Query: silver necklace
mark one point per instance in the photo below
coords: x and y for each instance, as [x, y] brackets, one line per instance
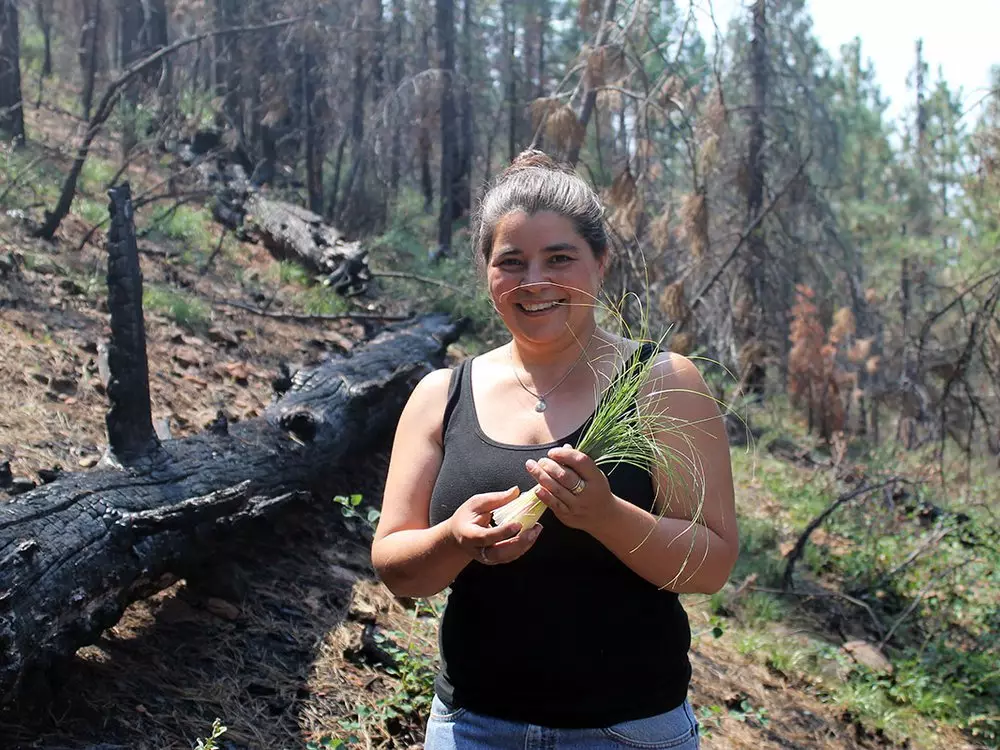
[540, 404]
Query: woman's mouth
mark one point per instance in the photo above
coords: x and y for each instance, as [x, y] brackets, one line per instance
[538, 308]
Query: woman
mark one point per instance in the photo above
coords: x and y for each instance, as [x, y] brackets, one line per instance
[571, 635]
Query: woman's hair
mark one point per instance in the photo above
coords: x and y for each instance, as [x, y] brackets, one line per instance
[534, 182]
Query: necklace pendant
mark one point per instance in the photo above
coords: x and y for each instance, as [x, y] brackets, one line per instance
[541, 405]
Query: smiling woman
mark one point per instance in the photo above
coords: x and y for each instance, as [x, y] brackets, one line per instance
[589, 606]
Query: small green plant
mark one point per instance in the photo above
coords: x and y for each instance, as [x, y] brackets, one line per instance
[190, 313]
[350, 508]
[327, 743]
[709, 718]
[91, 211]
[210, 743]
[750, 714]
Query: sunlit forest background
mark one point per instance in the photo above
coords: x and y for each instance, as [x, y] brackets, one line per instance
[835, 272]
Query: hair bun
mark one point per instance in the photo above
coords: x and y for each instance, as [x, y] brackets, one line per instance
[532, 158]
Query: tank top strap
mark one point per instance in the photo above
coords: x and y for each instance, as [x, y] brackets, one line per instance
[456, 410]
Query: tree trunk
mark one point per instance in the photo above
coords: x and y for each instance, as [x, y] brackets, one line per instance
[449, 142]
[44, 17]
[396, 76]
[463, 177]
[229, 65]
[756, 243]
[424, 139]
[88, 54]
[76, 552]
[398, 63]
[510, 40]
[131, 21]
[156, 37]
[590, 98]
[11, 102]
[313, 132]
[543, 25]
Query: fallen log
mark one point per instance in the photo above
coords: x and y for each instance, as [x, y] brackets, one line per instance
[76, 552]
[291, 232]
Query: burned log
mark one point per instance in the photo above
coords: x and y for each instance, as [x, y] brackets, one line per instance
[291, 232]
[74, 553]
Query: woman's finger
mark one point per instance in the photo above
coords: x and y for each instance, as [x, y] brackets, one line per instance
[568, 478]
[553, 501]
[510, 550]
[579, 462]
[555, 488]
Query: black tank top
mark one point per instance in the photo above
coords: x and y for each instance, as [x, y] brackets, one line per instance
[567, 635]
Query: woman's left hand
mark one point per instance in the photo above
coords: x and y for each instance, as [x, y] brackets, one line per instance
[573, 487]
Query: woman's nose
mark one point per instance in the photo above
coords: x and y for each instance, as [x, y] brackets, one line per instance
[535, 273]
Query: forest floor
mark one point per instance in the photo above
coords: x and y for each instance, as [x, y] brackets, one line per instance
[292, 642]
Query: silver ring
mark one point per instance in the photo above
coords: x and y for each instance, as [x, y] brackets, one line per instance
[482, 556]
[580, 487]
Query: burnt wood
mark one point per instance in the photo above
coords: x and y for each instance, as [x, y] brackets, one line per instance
[76, 552]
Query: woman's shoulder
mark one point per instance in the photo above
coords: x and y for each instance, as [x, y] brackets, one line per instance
[677, 380]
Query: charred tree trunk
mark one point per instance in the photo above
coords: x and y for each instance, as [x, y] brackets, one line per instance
[131, 21]
[424, 139]
[449, 143]
[44, 17]
[11, 101]
[590, 97]
[313, 132]
[510, 44]
[129, 420]
[228, 68]
[398, 68]
[543, 25]
[88, 54]
[909, 268]
[754, 372]
[463, 178]
[156, 38]
[76, 552]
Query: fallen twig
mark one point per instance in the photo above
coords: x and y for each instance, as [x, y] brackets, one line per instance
[803, 539]
[423, 279]
[827, 594]
[313, 316]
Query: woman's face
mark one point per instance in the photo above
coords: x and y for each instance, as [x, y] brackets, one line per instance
[543, 277]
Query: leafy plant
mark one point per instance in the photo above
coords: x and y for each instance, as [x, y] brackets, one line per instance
[210, 743]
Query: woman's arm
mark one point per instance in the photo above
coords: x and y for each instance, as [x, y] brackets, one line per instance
[690, 542]
[411, 557]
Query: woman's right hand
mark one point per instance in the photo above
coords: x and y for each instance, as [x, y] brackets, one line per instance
[470, 529]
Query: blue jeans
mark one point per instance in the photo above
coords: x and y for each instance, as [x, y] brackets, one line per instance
[464, 730]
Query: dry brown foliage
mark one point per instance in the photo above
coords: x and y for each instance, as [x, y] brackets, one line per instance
[814, 380]
[682, 343]
[694, 222]
[673, 303]
[659, 229]
[625, 202]
[561, 124]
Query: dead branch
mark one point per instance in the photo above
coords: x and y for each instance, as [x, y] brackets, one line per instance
[313, 317]
[800, 544]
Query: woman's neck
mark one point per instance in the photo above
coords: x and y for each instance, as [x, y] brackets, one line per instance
[555, 355]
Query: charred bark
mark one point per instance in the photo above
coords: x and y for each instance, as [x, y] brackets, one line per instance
[11, 102]
[129, 420]
[76, 552]
[290, 232]
[89, 36]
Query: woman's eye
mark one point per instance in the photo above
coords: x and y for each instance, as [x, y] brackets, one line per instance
[510, 263]
[560, 259]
